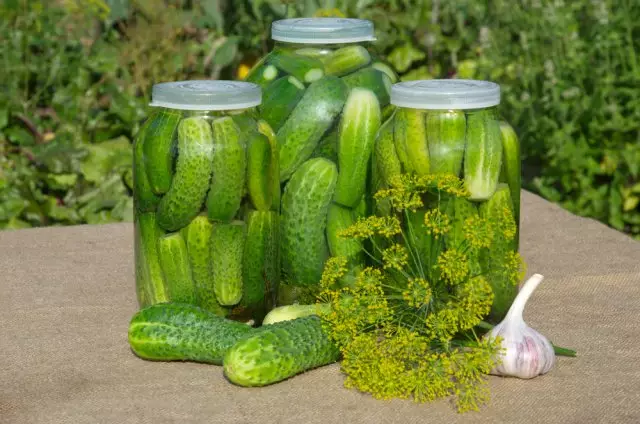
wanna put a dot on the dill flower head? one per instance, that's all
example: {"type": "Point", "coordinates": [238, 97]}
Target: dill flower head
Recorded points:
{"type": "Point", "coordinates": [436, 222]}
{"type": "Point", "coordinates": [417, 293]}
{"type": "Point", "coordinates": [442, 325]}
{"type": "Point", "coordinates": [386, 226]}
{"type": "Point", "coordinates": [453, 266]}
{"type": "Point", "coordinates": [478, 232]}
{"type": "Point", "coordinates": [395, 256]}
{"type": "Point", "coordinates": [334, 269]}
{"type": "Point", "coordinates": [512, 267]}
{"type": "Point", "coordinates": [506, 223]}
{"type": "Point", "coordinates": [473, 300]}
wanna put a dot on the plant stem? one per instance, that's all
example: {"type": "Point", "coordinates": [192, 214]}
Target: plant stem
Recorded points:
{"type": "Point", "coordinates": [558, 350]}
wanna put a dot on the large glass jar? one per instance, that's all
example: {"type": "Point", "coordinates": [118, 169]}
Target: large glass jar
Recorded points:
{"type": "Point", "coordinates": [325, 94]}
{"type": "Point", "coordinates": [446, 142]}
{"type": "Point", "coordinates": [206, 200]}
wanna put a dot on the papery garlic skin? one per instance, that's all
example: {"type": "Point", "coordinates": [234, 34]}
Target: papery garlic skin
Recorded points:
{"type": "Point", "coordinates": [526, 353]}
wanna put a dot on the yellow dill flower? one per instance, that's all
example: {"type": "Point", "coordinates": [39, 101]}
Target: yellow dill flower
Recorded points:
{"type": "Point", "coordinates": [472, 302]}
{"type": "Point", "coordinates": [334, 269]}
{"type": "Point", "coordinates": [442, 325]}
{"type": "Point", "coordinates": [437, 223]}
{"type": "Point", "coordinates": [361, 229]}
{"type": "Point", "coordinates": [387, 226]}
{"type": "Point", "coordinates": [478, 232]}
{"type": "Point", "coordinates": [417, 293]}
{"type": "Point", "coordinates": [369, 282]}
{"type": "Point", "coordinates": [506, 223]}
{"type": "Point", "coordinates": [395, 256]}
{"type": "Point", "coordinates": [513, 267]}
{"type": "Point", "coordinates": [453, 266]}
{"type": "Point", "coordinates": [447, 183]}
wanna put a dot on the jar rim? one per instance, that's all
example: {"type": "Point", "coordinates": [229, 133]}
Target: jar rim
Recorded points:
{"type": "Point", "coordinates": [445, 94]}
{"type": "Point", "coordinates": [322, 30]}
{"type": "Point", "coordinates": [206, 95]}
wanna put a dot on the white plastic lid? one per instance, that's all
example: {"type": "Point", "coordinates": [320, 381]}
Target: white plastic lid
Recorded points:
{"type": "Point", "coordinates": [206, 95]}
{"type": "Point", "coordinates": [322, 30]}
{"type": "Point", "coordinates": [445, 94]}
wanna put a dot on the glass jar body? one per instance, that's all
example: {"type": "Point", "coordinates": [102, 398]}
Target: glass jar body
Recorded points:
{"type": "Point", "coordinates": [205, 223]}
{"type": "Point", "coordinates": [479, 208]}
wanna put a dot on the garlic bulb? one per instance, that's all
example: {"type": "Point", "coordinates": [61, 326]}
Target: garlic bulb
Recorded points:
{"type": "Point", "coordinates": [526, 353]}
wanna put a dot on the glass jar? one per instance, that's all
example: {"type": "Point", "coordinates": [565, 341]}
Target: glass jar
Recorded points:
{"type": "Point", "coordinates": [464, 163]}
{"type": "Point", "coordinates": [206, 198]}
{"type": "Point", "coordinates": [325, 94]}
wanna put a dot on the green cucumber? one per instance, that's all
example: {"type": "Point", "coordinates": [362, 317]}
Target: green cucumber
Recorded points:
{"type": "Point", "coordinates": [158, 149]}
{"type": "Point", "coordinates": [388, 111]}
{"type": "Point", "coordinates": [197, 235]}
{"type": "Point", "coordinates": [265, 129]}
{"type": "Point", "coordinates": [144, 198]}
{"type": "Point", "coordinates": [189, 187]}
{"type": "Point", "coordinates": [305, 204]}
{"type": "Point", "coordinates": [183, 332]}
{"type": "Point", "coordinates": [511, 166]}
{"type": "Point", "coordinates": [312, 52]}
{"type": "Point", "coordinates": [261, 270]}
{"type": "Point", "coordinates": [279, 351]}
{"type": "Point", "coordinates": [259, 168]}
{"type": "Point", "coordinates": [279, 99]}
{"type": "Point", "coordinates": [174, 261]}
{"type": "Point", "coordinates": [328, 145]}
{"type": "Point", "coordinates": [483, 155]}
{"type": "Point", "coordinates": [446, 141]}
{"type": "Point", "coordinates": [291, 312]}
{"type": "Point", "coordinates": [358, 128]}
{"type": "Point", "coordinates": [340, 218]}
{"type": "Point", "coordinates": [312, 117]}
{"type": "Point", "coordinates": [386, 69]}
{"type": "Point", "coordinates": [373, 80]}
{"type": "Point", "coordinates": [411, 140]}
{"type": "Point", "coordinates": [346, 60]}
{"type": "Point", "coordinates": [304, 68]}
{"type": "Point", "coordinates": [262, 73]}
{"type": "Point", "coordinates": [388, 163]}
{"type": "Point", "coordinates": [229, 170]}
{"type": "Point", "coordinates": [149, 279]}
{"type": "Point", "coordinates": [227, 246]}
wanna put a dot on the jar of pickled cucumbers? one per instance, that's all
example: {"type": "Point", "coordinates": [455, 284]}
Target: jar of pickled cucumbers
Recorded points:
{"type": "Point", "coordinates": [325, 94]}
{"type": "Point", "coordinates": [206, 200]}
{"type": "Point", "coordinates": [447, 143]}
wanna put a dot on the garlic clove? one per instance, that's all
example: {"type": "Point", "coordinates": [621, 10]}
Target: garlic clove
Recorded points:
{"type": "Point", "coordinates": [526, 353]}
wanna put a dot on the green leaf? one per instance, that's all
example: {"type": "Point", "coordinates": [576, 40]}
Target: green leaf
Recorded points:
{"type": "Point", "coordinates": [119, 9]}
{"type": "Point", "coordinates": [107, 158]}
{"type": "Point", "coordinates": [226, 53]}
{"type": "Point", "coordinates": [212, 11]}
{"type": "Point", "coordinates": [403, 56]}
{"type": "Point", "coordinates": [61, 181]}
{"type": "Point", "coordinates": [19, 135]}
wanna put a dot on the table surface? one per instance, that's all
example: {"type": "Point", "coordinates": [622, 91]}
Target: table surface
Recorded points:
{"type": "Point", "coordinates": [67, 294]}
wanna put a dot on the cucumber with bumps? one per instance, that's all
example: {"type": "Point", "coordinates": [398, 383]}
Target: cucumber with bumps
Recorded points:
{"type": "Point", "coordinates": [265, 129]}
{"type": "Point", "coordinates": [189, 187]}
{"type": "Point", "coordinates": [373, 80]}
{"type": "Point", "coordinates": [358, 128]}
{"type": "Point", "coordinates": [261, 271]}
{"type": "Point", "coordinates": [229, 164]}
{"type": "Point", "coordinates": [197, 235]}
{"type": "Point", "coordinates": [388, 163]}
{"type": "Point", "coordinates": [305, 204]}
{"type": "Point", "coordinates": [279, 351]}
{"type": "Point", "coordinates": [312, 117]}
{"type": "Point", "coordinates": [483, 155]}
{"type": "Point", "coordinates": [183, 332]}
{"type": "Point", "coordinates": [304, 68]}
{"type": "Point", "coordinates": [446, 140]}
{"type": "Point", "coordinates": [338, 219]}
{"type": "Point", "coordinates": [511, 167]}
{"type": "Point", "coordinates": [145, 199]}
{"type": "Point", "coordinates": [158, 149]}
{"type": "Point", "coordinates": [346, 60]}
{"type": "Point", "coordinates": [227, 247]}
{"type": "Point", "coordinates": [411, 140]}
{"type": "Point", "coordinates": [328, 145]}
{"type": "Point", "coordinates": [279, 99]}
{"type": "Point", "coordinates": [174, 260]}
{"type": "Point", "coordinates": [149, 279]}
{"type": "Point", "coordinates": [259, 169]}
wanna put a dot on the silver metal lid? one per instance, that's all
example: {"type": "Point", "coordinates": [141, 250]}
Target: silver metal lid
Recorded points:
{"type": "Point", "coordinates": [445, 94]}
{"type": "Point", "coordinates": [206, 95]}
{"type": "Point", "coordinates": [322, 30]}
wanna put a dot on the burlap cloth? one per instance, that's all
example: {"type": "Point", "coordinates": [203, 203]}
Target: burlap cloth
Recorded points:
{"type": "Point", "coordinates": [66, 296]}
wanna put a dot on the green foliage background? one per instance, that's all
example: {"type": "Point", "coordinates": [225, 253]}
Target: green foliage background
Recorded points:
{"type": "Point", "coordinates": [76, 78]}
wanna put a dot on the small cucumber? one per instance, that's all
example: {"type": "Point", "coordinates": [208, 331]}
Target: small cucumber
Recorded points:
{"type": "Point", "coordinates": [229, 170]}
{"type": "Point", "coordinates": [227, 246]}
{"type": "Point", "coordinates": [159, 149]}
{"type": "Point", "coordinates": [340, 218]}
{"type": "Point", "coordinates": [358, 128]}
{"type": "Point", "coordinates": [346, 60]}
{"type": "Point", "coordinates": [305, 204]}
{"type": "Point", "coordinates": [279, 99]}
{"type": "Point", "coordinates": [304, 68]}
{"type": "Point", "coordinates": [388, 163]}
{"type": "Point", "coordinates": [261, 270]}
{"type": "Point", "coordinates": [511, 166]}
{"type": "Point", "coordinates": [174, 260]}
{"type": "Point", "coordinates": [279, 351]}
{"type": "Point", "coordinates": [259, 168]}
{"type": "Point", "coordinates": [290, 312]}
{"type": "Point", "coordinates": [387, 70]}
{"type": "Point", "coordinates": [144, 198]}
{"type": "Point", "coordinates": [189, 187]}
{"type": "Point", "coordinates": [149, 279]}
{"type": "Point", "coordinates": [312, 52]}
{"type": "Point", "coordinates": [373, 80]}
{"type": "Point", "coordinates": [312, 117]}
{"type": "Point", "coordinates": [265, 129]}
{"type": "Point", "coordinates": [183, 332]}
{"type": "Point", "coordinates": [446, 141]}
{"type": "Point", "coordinates": [197, 235]}
{"type": "Point", "coordinates": [411, 140]}
{"type": "Point", "coordinates": [483, 155]}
